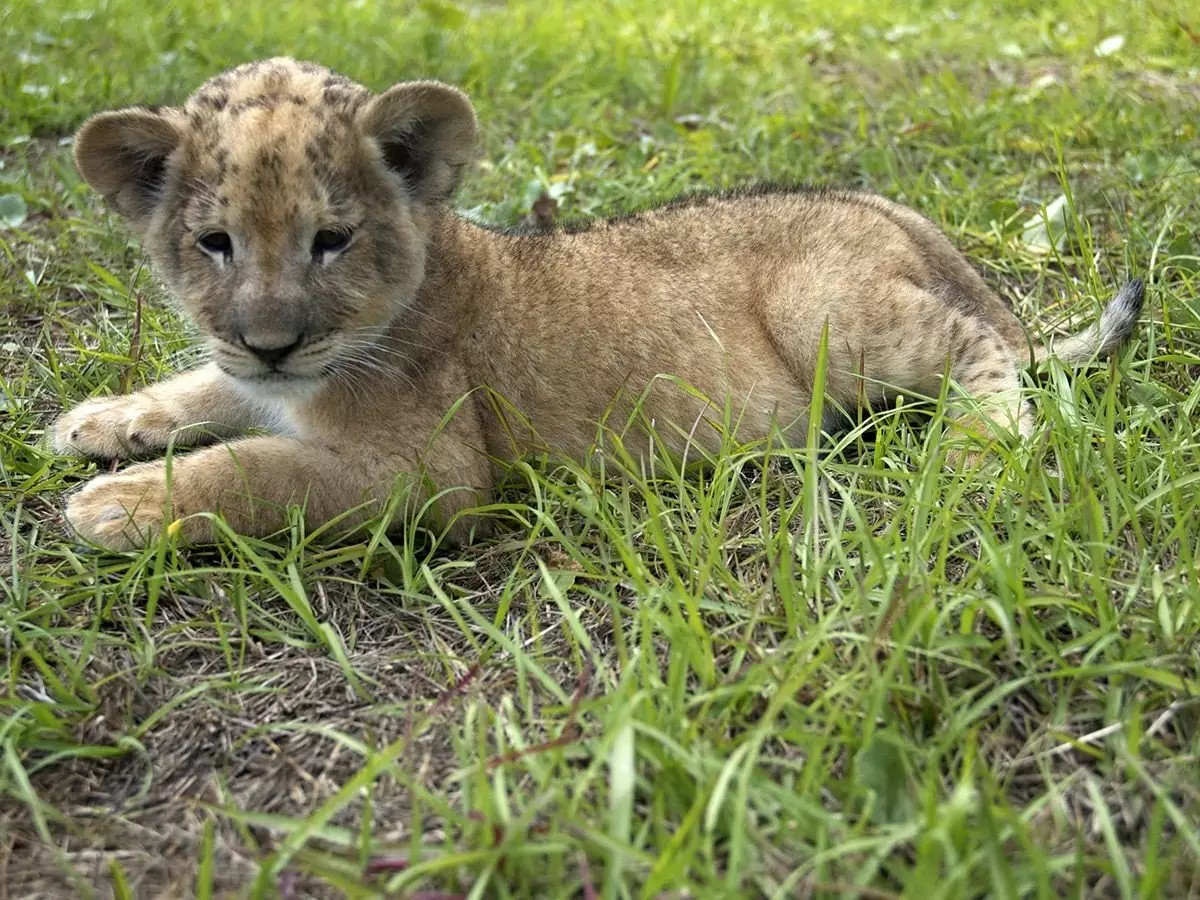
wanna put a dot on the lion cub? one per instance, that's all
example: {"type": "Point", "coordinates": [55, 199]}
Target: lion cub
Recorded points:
{"type": "Point", "coordinates": [303, 223]}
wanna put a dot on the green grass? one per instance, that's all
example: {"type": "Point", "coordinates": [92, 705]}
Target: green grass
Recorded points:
{"type": "Point", "coordinates": [845, 675]}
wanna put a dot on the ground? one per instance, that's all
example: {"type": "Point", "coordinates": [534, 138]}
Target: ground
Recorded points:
{"type": "Point", "coordinates": [848, 674]}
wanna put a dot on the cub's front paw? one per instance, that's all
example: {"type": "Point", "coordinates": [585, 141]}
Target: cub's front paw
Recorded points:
{"type": "Point", "coordinates": [130, 426]}
{"type": "Point", "coordinates": [124, 511]}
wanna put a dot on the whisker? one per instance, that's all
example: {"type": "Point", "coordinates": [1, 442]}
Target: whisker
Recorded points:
{"type": "Point", "coordinates": [355, 367]}
{"type": "Point", "coordinates": [383, 340]}
{"type": "Point", "coordinates": [416, 311]}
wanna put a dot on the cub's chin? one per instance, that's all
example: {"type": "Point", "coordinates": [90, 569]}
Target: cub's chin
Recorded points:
{"type": "Point", "coordinates": [278, 387]}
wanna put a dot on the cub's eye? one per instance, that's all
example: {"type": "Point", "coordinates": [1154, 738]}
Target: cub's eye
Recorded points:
{"type": "Point", "coordinates": [218, 243]}
{"type": "Point", "coordinates": [329, 241]}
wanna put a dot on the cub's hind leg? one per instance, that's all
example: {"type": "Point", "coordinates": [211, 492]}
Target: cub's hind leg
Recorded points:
{"type": "Point", "coordinates": [914, 336]}
{"type": "Point", "coordinates": [987, 365]}
{"type": "Point", "coordinates": [986, 398]}
{"type": "Point", "coordinates": [896, 337]}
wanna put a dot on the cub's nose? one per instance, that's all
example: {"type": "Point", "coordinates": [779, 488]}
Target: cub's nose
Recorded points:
{"type": "Point", "coordinates": [272, 348]}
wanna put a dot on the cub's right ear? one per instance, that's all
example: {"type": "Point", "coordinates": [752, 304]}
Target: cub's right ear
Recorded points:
{"type": "Point", "coordinates": [123, 156]}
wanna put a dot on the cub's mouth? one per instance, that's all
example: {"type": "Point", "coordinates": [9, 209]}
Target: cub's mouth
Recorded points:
{"type": "Point", "coordinates": [290, 370]}
{"type": "Point", "coordinates": [275, 377]}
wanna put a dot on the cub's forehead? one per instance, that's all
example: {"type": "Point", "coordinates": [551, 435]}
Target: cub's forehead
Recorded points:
{"type": "Point", "coordinates": [273, 82]}
{"type": "Point", "coordinates": [276, 126]}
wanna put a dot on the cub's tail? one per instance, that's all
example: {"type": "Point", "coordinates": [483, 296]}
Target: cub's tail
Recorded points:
{"type": "Point", "coordinates": [1104, 337]}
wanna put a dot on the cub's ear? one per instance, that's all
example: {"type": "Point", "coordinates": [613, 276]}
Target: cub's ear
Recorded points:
{"type": "Point", "coordinates": [123, 156]}
{"type": "Point", "coordinates": [427, 133]}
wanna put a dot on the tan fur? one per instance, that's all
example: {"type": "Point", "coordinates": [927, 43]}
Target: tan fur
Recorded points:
{"type": "Point", "coordinates": [544, 334]}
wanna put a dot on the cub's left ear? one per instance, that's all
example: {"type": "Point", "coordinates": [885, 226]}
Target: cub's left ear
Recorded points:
{"type": "Point", "coordinates": [427, 132]}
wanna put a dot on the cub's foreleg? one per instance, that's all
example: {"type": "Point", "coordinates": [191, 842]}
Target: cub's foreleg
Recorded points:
{"type": "Point", "coordinates": [194, 408]}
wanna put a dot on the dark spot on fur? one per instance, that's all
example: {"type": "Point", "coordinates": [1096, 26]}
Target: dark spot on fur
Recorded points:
{"type": "Point", "coordinates": [262, 101]}
{"type": "Point", "coordinates": [298, 100]}
{"type": "Point", "coordinates": [224, 201]}
{"type": "Point", "coordinates": [215, 101]}
{"type": "Point", "coordinates": [199, 154]}
{"type": "Point", "coordinates": [963, 349]}
{"type": "Point", "coordinates": [270, 165]}
{"type": "Point", "coordinates": [322, 145]}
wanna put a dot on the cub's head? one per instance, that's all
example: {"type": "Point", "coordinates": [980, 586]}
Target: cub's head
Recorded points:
{"type": "Point", "coordinates": [287, 208]}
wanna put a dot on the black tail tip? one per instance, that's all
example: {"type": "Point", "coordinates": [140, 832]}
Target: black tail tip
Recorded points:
{"type": "Point", "coordinates": [1135, 293]}
{"type": "Point", "coordinates": [1121, 317]}
{"type": "Point", "coordinates": [1130, 299]}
